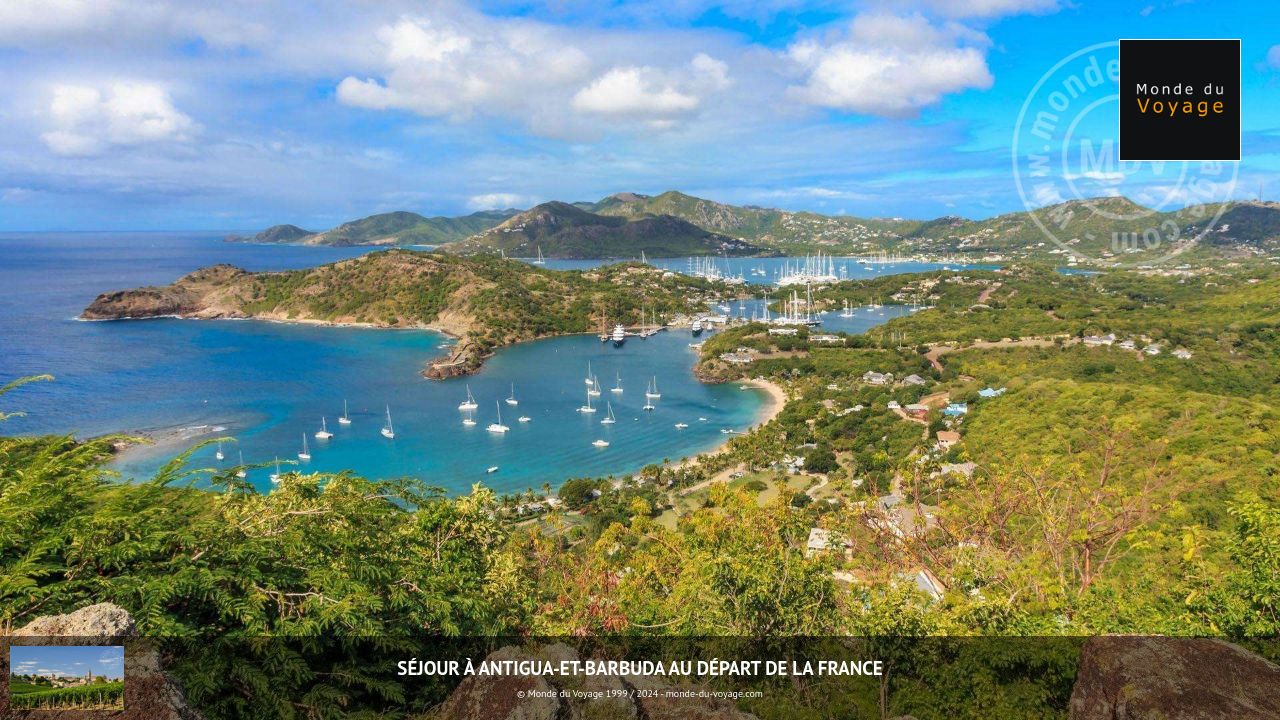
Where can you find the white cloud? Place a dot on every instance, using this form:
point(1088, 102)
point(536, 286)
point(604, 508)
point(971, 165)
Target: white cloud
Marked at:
point(1273, 57)
point(891, 66)
point(652, 95)
point(86, 120)
point(497, 201)
point(558, 83)
point(444, 66)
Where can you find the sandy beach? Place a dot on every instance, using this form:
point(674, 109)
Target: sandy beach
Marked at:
point(777, 399)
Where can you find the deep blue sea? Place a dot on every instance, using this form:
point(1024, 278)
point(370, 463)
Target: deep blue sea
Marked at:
point(268, 384)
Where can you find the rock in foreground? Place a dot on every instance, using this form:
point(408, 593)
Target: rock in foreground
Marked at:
point(1146, 678)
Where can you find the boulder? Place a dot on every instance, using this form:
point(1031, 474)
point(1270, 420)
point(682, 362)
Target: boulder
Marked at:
point(1148, 678)
point(103, 621)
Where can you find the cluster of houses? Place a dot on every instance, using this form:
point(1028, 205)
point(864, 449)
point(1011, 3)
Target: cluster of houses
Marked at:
point(740, 356)
point(1148, 348)
point(871, 377)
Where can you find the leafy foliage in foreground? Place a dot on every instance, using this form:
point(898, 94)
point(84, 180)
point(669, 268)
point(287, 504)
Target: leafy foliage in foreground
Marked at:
point(343, 565)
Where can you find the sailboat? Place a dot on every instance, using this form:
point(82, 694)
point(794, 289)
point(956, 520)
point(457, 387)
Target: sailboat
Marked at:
point(601, 443)
point(218, 455)
point(512, 400)
point(469, 403)
point(498, 427)
point(848, 311)
point(275, 476)
point(541, 260)
point(523, 418)
point(587, 408)
point(388, 431)
point(681, 426)
point(652, 393)
point(241, 473)
point(469, 420)
point(305, 454)
point(594, 390)
point(643, 259)
point(590, 378)
point(323, 433)
point(617, 387)
point(346, 416)
point(610, 419)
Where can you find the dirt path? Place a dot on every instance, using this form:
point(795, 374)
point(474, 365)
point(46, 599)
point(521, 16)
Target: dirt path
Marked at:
point(986, 294)
point(937, 351)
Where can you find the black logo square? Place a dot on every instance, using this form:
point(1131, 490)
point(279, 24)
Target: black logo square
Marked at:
point(1179, 100)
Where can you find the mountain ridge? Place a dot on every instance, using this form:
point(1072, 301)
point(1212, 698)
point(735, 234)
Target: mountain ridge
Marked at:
point(673, 221)
point(564, 230)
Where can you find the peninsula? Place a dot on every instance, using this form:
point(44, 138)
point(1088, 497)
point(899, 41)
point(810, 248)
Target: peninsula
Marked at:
point(484, 301)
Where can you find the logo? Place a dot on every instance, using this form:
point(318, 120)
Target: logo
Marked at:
point(1083, 197)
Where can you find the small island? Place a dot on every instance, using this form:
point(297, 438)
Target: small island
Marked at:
point(485, 302)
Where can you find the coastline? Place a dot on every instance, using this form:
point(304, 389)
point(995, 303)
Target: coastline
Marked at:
point(776, 400)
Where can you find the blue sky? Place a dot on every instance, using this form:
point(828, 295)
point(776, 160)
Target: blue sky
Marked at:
point(182, 114)
point(107, 661)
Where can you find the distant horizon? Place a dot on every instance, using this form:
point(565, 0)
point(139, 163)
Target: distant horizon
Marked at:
point(427, 213)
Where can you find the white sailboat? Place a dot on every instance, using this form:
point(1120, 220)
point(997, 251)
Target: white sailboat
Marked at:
point(652, 393)
point(601, 443)
point(305, 454)
point(594, 389)
point(587, 408)
point(241, 473)
point(323, 433)
point(346, 416)
point(388, 431)
point(590, 378)
point(275, 476)
point(498, 427)
point(469, 420)
point(523, 418)
point(512, 400)
point(469, 403)
point(218, 455)
point(617, 387)
point(681, 426)
point(541, 260)
point(609, 419)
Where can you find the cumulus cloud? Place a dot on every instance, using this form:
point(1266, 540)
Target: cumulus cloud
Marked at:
point(87, 120)
point(459, 65)
point(497, 201)
point(655, 96)
point(890, 66)
point(443, 66)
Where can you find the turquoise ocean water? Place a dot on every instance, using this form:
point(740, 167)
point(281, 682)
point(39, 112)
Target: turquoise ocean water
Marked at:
point(268, 384)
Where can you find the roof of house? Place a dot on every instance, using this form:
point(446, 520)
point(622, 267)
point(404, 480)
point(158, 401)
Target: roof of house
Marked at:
point(948, 436)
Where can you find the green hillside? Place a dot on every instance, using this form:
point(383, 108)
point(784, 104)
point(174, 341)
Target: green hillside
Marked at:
point(561, 230)
point(393, 228)
point(765, 226)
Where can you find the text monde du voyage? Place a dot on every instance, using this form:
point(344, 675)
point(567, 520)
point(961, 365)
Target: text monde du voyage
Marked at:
point(647, 668)
point(1180, 99)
